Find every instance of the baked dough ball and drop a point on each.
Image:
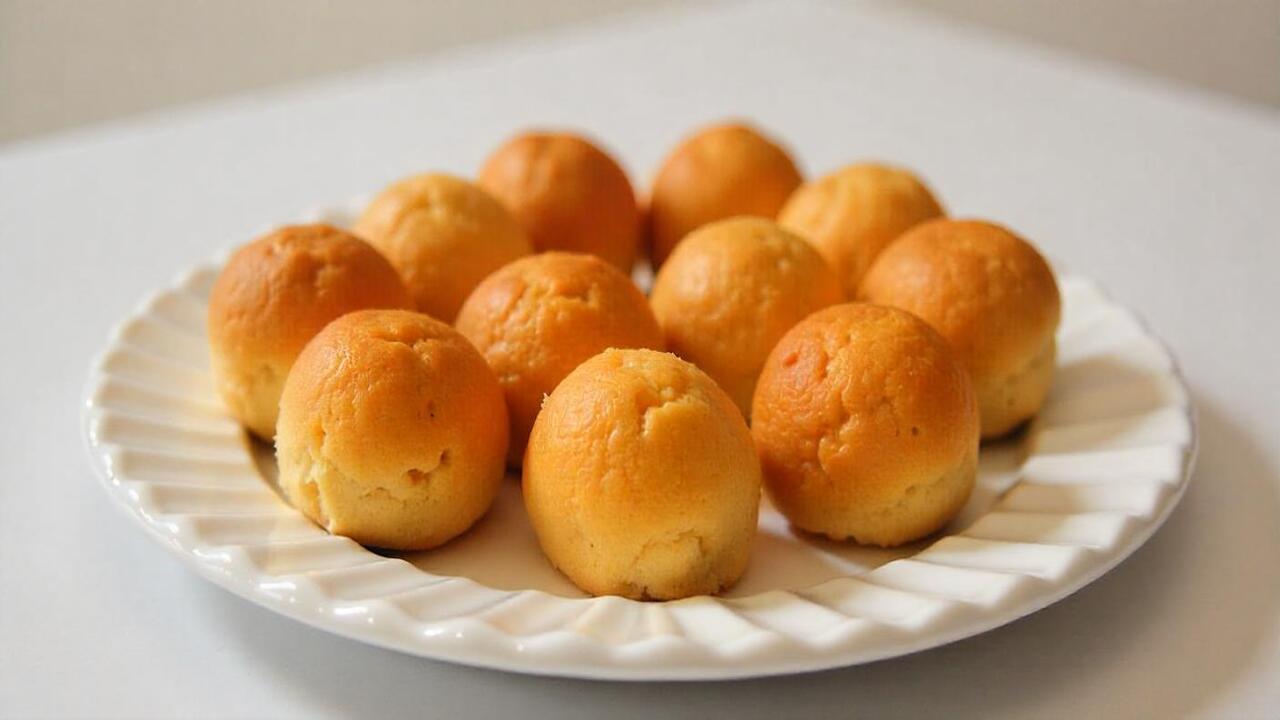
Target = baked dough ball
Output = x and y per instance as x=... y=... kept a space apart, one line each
x=272 y=296
x=536 y=319
x=641 y=479
x=731 y=290
x=853 y=213
x=568 y=194
x=444 y=235
x=867 y=426
x=393 y=431
x=992 y=296
x=719 y=172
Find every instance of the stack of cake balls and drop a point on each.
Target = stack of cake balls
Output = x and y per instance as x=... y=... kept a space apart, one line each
x=840 y=342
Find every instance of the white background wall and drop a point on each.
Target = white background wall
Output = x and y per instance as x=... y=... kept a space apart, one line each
x=66 y=63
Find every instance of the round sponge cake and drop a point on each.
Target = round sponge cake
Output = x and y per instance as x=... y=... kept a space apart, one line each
x=536 y=319
x=992 y=296
x=444 y=235
x=866 y=425
x=719 y=172
x=641 y=479
x=853 y=213
x=568 y=194
x=731 y=290
x=393 y=431
x=273 y=295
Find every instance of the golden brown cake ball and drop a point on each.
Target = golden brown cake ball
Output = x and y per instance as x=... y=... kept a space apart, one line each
x=992 y=296
x=641 y=479
x=853 y=213
x=393 y=431
x=273 y=295
x=568 y=194
x=719 y=172
x=444 y=235
x=866 y=425
x=536 y=319
x=731 y=290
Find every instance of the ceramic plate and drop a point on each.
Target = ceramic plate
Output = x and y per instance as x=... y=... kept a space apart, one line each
x=1056 y=507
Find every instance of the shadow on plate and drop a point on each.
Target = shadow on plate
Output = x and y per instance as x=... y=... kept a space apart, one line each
x=501 y=550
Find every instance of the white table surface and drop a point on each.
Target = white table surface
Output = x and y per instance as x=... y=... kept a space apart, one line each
x=1171 y=199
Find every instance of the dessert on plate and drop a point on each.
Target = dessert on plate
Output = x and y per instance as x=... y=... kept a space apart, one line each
x=272 y=296
x=719 y=172
x=444 y=235
x=992 y=296
x=641 y=469
x=536 y=319
x=731 y=290
x=392 y=432
x=866 y=425
x=852 y=214
x=641 y=479
x=568 y=194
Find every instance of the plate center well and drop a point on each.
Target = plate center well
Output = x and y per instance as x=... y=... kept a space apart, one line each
x=501 y=550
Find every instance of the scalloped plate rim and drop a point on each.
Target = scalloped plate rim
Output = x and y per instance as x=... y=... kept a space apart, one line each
x=709 y=666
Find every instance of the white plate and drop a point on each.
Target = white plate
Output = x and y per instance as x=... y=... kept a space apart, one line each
x=1096 y=474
